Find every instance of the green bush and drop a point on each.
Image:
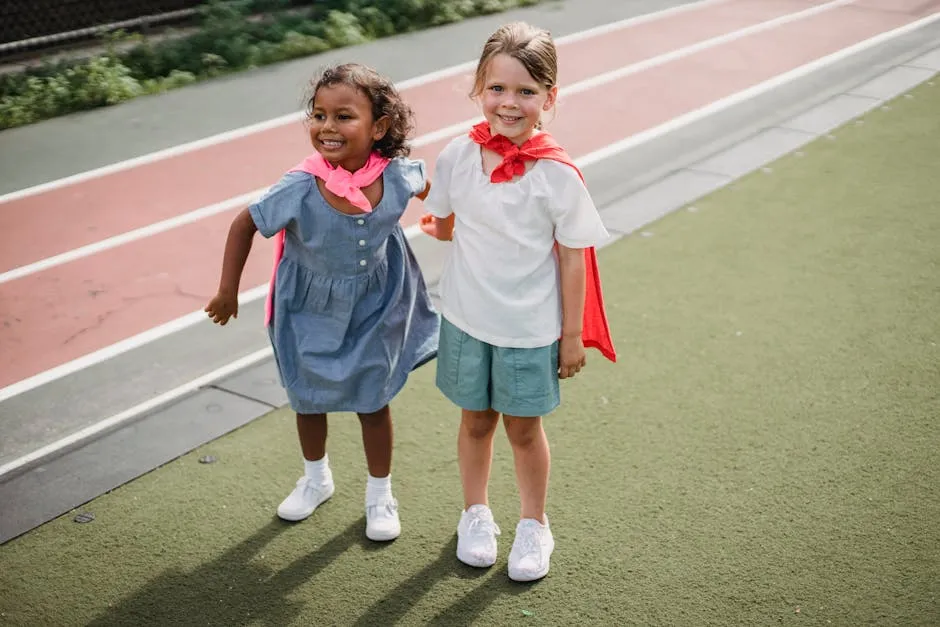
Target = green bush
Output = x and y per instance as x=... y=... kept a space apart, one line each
x=102 y=81
x=342 y=29
x=232 y=35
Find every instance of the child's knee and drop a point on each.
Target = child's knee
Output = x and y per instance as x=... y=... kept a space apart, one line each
x=479 y=424
x=523 y=432
x=375 y=418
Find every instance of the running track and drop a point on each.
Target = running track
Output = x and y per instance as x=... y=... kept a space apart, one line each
x=92 y=260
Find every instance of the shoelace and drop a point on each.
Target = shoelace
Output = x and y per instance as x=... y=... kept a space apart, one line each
x=482 y=527
x=531 y=543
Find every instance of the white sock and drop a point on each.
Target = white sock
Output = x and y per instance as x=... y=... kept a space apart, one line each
x=378 y=488
x=318 y=470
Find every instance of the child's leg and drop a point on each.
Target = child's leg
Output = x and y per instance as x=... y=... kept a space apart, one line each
x=476 y=531
x=311 y=429
x=475 y=454
x=532 y=459
x=382 y=522
x=463 y=375
x=316 y=485
x=377 y=441
x=532 y=547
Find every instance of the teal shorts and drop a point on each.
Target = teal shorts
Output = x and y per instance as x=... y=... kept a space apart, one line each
x=478 y=376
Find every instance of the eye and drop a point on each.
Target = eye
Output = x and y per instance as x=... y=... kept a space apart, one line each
x=344 y=116
x=319 y=117
x=496 y=88
x=528 y=92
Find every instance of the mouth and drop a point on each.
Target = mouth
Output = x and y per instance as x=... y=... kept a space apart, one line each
x=509 y=119
x=331 y=144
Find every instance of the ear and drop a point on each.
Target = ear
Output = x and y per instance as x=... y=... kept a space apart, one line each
x=552 y=97
x=380 y=127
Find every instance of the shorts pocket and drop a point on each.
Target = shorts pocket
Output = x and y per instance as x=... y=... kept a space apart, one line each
x=535 y=371
x=526 y=379
x=448 y=356
x=463 y=368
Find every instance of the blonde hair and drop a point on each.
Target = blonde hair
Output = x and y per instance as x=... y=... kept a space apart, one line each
x=532 y=47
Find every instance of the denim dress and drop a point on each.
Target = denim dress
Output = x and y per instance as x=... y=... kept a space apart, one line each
x=352 y=316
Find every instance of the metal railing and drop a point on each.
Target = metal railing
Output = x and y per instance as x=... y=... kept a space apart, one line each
x=37 y=24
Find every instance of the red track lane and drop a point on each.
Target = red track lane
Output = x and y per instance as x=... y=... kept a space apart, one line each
x=59 y=220
x=74 y=309
x=721 y=71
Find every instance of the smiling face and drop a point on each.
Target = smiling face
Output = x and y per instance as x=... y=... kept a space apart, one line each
x=341 y=126
x=513 y=101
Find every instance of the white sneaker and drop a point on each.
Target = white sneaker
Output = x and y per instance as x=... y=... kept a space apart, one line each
x=531 y=550
x=476 y=537
x=382 y=522
x=306 y=497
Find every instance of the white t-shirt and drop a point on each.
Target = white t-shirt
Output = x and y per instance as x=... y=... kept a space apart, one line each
x=500 y=282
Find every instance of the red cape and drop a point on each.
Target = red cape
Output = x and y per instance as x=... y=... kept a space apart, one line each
x=595 y=332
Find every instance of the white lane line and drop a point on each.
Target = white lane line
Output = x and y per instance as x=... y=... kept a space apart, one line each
x=751 y=92
x=680 y=53
x=119 y=348
x=291 y=118
x=130 y=236
x=137 y=410
x=582 y=162
x=423 y=140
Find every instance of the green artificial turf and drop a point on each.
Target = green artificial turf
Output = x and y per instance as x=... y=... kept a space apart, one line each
x=764 y=453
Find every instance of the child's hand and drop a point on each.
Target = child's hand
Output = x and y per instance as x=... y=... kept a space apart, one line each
x=435 y=227
x=571 y=356
x=223 y=307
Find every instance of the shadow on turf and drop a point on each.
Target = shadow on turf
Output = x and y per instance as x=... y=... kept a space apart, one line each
x=393 y=606
x=232 y=589
x=236 y=588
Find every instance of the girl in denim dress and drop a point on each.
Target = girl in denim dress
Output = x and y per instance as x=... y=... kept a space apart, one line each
x=350 y=315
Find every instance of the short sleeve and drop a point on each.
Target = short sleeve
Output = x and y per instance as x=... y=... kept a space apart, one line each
x=281 y=204
x=438 y=200
x=414 y=175
x=577 y=222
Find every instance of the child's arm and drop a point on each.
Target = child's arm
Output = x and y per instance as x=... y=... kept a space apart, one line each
x=439 y=221
x=571 y=357
x=237 y=247
x=439 y=228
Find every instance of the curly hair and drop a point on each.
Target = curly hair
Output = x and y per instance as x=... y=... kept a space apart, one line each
x=385 y=100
